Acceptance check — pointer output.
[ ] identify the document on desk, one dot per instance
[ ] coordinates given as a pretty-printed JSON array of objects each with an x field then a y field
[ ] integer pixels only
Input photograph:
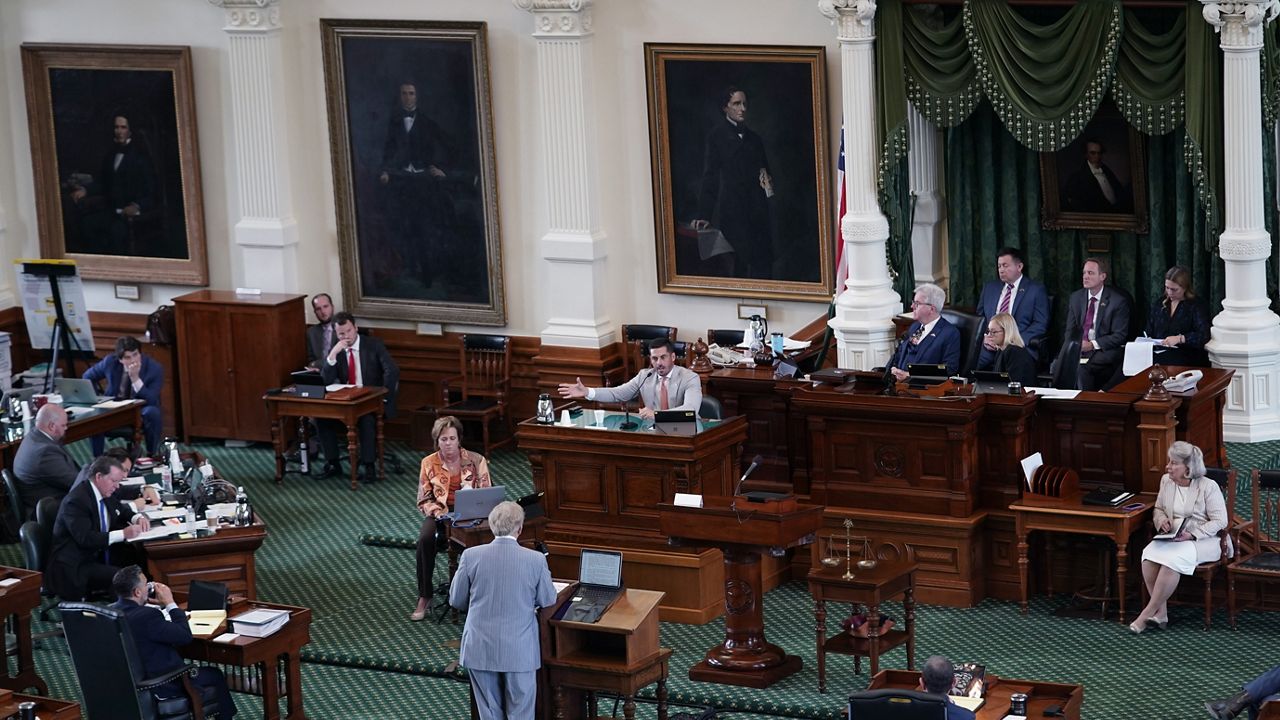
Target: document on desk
[
  {"x": 336, "y": 387},
  {"x": 112, "y": 404},
  {"x": 1054, "y": 393},
  {"x": 159, "y": 531},
  {"x": 1029, "y": 466},
  {"x": 166, "y": 513},
  {"x": 133, "y": 482},
  {"x": 1138, "y": 356}
]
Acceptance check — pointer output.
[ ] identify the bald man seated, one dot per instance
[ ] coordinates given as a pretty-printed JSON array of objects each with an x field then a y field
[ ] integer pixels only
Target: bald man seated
[{"x": 43, "y": 467}]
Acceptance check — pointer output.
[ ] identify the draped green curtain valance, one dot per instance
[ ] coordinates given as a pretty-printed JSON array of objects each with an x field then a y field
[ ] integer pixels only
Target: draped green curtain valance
[{"x": 1045, "y": 82}]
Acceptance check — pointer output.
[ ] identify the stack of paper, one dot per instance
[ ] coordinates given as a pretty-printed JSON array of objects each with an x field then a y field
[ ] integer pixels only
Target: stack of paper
[{"x": 259, "y": 622}]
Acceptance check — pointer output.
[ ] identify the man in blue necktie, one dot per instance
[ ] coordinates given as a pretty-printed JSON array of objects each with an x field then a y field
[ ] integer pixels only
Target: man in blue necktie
[{"x": 88, "y": 523}]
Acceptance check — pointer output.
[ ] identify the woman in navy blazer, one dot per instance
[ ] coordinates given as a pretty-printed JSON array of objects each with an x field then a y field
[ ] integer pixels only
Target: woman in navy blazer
[{"x": 1179, "y": 321}]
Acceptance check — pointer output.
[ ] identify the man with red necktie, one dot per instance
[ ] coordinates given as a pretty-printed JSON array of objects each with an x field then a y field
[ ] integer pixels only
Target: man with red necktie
[
  {"x": 1098, "y": 325},
  {"x": 1020, "y": 296},
  {"x": 359, "y": 360}
]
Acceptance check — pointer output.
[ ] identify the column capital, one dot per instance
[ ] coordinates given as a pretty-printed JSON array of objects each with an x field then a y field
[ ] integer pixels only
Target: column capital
[
  {"x": 250, "y": 16},
  {"x": 559, "y": 18},
  {"x": 855, "y": 20},
  {"x": 1240, "y": 22}
]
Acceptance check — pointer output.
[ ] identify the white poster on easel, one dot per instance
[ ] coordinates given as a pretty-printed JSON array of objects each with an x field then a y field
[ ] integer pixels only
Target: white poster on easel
[{"x": 38, "y": 306}]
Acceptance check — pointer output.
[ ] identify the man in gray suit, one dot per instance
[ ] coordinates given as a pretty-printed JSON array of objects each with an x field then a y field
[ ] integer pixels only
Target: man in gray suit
[
  {"x": 501, "y": 586},
  {"x": 665, "y": 386},
  {"x": 43, "y": 466}
]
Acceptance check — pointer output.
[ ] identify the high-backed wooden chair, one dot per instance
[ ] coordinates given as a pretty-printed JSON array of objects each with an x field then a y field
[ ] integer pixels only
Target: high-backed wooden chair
[
  {"x": 725, "y": 338},
  {"x": 1258, "y": 544},
  {"x": 484, "y": 384},
  {"x": 636, "y": 354}
]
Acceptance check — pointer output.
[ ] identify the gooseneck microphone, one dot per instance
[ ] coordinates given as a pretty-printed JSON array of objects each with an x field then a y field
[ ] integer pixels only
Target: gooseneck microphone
[
  {"x": 755, "y": 463},
  {"x": 628, "y": 423}
]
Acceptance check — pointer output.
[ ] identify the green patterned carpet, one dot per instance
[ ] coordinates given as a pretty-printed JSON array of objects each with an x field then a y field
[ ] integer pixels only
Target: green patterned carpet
[{"x": 348, "y": 556}]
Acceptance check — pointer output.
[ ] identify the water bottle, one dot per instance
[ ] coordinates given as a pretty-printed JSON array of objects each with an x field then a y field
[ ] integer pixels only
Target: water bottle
[
  {"x": 304, "y": 460},
  {"x": 191, "y": 519},
  {"x": 27, "y": 711},
  {"x": 175, "y": 460},
  {"x": 166, "y": 479},
  {"x": 546, "y": 412},
  {"x": 243, "y": 514}
]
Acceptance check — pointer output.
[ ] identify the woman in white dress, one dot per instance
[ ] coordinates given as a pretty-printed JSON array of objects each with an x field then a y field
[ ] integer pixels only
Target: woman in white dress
[{"x": 1185, "y": 494}]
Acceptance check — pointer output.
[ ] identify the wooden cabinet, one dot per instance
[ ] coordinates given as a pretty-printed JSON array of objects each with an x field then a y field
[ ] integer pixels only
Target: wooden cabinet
[{"x": 231, "y": 349}]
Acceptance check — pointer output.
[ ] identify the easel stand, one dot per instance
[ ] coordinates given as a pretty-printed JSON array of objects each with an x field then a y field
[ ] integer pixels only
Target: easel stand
[{"x": 63, "y": 339}]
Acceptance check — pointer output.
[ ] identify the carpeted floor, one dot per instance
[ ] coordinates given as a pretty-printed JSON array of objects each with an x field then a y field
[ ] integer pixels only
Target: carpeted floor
[{"x": 348, "y": 556}]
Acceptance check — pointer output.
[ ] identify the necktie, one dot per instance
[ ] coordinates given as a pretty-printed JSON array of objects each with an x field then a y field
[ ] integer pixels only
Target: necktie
[
  {"x": 125, "y": 385},
  {"x": 106, "y": 528},
  {"x": 664, "y": 402},
  {"x": 1088, "y": 319},
  {"x": 328, "y": 337},
  {"x": 917, "y": 336},
  {"x": 351, "y": 367},
  {"x": 1006, "y": 301}
]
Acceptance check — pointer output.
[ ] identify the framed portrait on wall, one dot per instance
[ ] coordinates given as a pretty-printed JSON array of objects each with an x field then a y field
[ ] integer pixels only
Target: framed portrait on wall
[
  {"x": 738, "y": 141},
  {"x": 115, "y": 160},
  {"x": 415, "y": 181},
  {"x": 1099, "y": 180}
]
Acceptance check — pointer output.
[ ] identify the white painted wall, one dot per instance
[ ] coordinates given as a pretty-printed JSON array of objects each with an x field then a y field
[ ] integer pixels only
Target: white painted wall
[{"x": 622, "y": 28}]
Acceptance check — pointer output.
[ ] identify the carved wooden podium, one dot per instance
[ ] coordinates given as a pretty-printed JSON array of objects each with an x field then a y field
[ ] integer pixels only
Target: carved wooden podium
[{"x": 743, "y": 531}]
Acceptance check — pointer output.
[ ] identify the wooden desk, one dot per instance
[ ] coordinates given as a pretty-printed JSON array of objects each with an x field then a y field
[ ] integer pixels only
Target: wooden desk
[
  {"x": 18, "y": 600},
  {"x": 618, "y": 654},
  {"x": 1040, "y": 695},
  {"x": 1069, "y": 515},
  {"x": 227, "y": 556},
  {"x": 83, "y": 426},
  {"x": 1199, "y": 415},
  {"x": 46, "y": 708},
  {"x": 266, "y": 658},
  {"x": 870, "y": 588},
  {"x": 347, "y": 406},
  {"x": 602, "y": 490}
]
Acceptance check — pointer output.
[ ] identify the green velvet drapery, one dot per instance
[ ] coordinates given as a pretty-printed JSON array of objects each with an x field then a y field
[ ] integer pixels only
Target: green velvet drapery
[{"x": 1043, "y": 76}]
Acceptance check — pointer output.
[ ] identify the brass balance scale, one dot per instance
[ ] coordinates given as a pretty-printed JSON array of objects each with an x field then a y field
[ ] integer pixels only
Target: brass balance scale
[{"x": 832, "y": 558}]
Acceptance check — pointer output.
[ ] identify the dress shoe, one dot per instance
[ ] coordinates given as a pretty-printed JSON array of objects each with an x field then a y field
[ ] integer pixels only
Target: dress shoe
[
  {"x": 331, "y": 469},
  {"x": 1162, "y": 624},
  {"x": 1229, "y": 708},
  {"x": 418, "y": 615},
  {"x": 1137, "y": 627},
  {"x": 369, "y": 473}
]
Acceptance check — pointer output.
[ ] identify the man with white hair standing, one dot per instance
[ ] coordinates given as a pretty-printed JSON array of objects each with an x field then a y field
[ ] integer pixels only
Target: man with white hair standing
[
  {"x": 930, "y": 340},
  {"x": 501, "y": 585}
]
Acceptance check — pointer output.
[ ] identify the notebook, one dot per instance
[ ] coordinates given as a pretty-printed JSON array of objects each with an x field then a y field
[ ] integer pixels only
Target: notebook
[
  {"x": 476, "y": 503},
  {"x": 599, "y": 585}
]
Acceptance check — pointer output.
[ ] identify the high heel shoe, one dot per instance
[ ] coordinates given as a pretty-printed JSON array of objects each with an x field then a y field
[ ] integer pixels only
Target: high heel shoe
[
  {"x": 1137, "y": 627},
  {"x": 420, "y": 614}
]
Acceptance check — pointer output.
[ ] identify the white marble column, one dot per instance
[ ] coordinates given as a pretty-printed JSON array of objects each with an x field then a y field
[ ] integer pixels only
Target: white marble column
[
  {"x": 863, "y": 321},
  {"x": 1246, "y": 334},
  {"x": 265, "y": 233},
  {"x": 571, "y": 273},
  {"x": 928, "y": 229}
]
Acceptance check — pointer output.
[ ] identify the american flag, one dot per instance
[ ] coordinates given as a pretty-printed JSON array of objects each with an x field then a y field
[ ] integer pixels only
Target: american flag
[{"x": 842, "y": 263}]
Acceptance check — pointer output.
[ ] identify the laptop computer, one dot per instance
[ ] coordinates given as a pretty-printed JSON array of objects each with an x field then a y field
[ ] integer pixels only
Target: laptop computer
[
  {"x": 676, "y": 422},
  {"x": 475, "y": 503},
  {"x": 78, "y": 391},
  {"x": 990, "y": 382},
  {"x": 599, "y": 585}
]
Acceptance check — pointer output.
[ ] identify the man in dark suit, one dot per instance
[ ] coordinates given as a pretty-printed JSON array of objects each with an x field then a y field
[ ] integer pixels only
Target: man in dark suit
[
  {"x": 357, "y": 360},
  {"x": 139, "y": 496},
  {"x": 736, "y": 187},
  {"x": 1096, "y": 331},
  {"x": 158, "y": 631},
  {"x": 125, "y": 188},
  {"x": 936, "y": 678},
  {"x": 321, "y": 336},
  {"x": 930, "y": 340},
  {"x": 43, "y": 466},
  {"x": 130, "y": 375},
  {"x": 1094, "y": 188},
  {"x": 501, "y": 586},
  {"x": 88, "y": 523},
  {"x": 1020, "y": 296}
]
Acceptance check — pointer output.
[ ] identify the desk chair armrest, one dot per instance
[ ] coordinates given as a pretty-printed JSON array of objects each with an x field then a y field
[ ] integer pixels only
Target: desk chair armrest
[
  {"x": 444, "y": 387},
  {"x": 155, "y": 682}
]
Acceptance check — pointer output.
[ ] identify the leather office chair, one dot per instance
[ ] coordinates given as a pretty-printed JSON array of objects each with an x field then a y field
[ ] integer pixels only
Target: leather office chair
[
  {"x": 485, "y": 384},
  {"x": 36, "y": 538},
  {"x": 711, "y": 409},
  {"x": 971, "y": 328},
  {"x": 635, "y": 355},
  {"x": 1258, "y": 542},
  {"x": 896, "y": 705},
  {"x": 107, "y": 666},
  {"x": 725, "y": 338},
  {"x": 16, "y": 509}
]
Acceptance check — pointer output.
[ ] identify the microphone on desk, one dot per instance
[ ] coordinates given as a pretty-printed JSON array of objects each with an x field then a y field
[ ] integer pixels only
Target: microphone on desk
[
  {"x": 627, "y": 423},
  {"x": 755, "y": 463}
]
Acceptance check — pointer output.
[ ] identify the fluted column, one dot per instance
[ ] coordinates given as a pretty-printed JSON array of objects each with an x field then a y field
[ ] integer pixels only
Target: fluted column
[
  {"x": 1246, "y": 334},
  {"x": 265, "y": 232},
  {"x": 928, "y": 243},
  {"x": 863, "y": 322},
  {"x": 573, "y": 252}
]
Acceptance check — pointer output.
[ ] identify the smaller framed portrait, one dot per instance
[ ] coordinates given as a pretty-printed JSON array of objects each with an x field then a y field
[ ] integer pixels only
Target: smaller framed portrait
[
  {"x": 115, "y": 160},
  {"x": 1098, "y": 181}
]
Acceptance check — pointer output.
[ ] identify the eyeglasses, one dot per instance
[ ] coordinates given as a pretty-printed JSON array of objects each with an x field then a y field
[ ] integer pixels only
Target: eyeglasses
[
  {"x": 997, "y": 331},
  {"x": 917, "y": 303}
]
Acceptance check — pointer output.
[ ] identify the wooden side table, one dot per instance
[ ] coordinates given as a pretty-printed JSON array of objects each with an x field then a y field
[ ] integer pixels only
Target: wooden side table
[{"x": 868, "y": 587}]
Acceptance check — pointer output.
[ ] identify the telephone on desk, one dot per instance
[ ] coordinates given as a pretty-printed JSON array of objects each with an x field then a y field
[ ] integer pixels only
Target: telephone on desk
[
  {"x": 724, "y": 356},
  {"x": 1184, "y": 381}
]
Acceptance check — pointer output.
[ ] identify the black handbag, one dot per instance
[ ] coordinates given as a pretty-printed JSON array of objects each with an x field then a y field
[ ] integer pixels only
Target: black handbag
[{"x": 161, "y": 326}]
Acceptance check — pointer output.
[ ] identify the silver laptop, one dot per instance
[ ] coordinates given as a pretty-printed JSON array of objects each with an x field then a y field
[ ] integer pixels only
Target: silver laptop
[
  {"x": 78, "y": 391},
  {"x": 475, "y": 503}
]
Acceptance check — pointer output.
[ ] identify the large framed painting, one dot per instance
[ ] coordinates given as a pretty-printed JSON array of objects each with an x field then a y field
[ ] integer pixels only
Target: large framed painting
[
  {"x": 738, "y": 139},
  {"x": 115, "y": 160},
  {"x": 414, "y": 178},
  {"x": 1099, "y": 180}
]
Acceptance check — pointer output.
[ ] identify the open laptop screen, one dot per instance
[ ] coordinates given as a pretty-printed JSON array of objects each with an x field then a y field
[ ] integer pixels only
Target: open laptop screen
[{"x": 600, "y": 567}]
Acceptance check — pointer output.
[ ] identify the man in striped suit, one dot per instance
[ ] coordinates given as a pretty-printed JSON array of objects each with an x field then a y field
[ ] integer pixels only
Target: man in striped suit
[{"x": 501, "y": 586}]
